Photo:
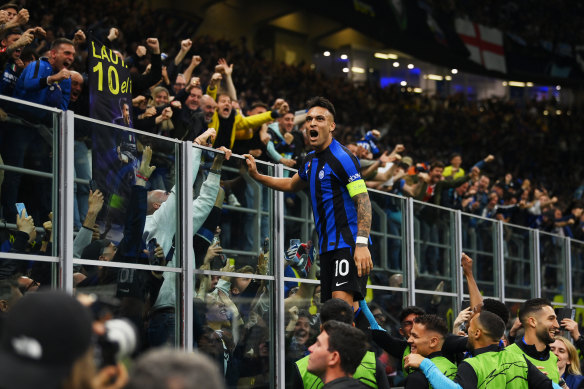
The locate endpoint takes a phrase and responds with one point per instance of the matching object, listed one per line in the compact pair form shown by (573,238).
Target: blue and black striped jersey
(333,177)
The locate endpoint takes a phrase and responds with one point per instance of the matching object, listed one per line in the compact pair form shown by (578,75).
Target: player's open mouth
(313,134)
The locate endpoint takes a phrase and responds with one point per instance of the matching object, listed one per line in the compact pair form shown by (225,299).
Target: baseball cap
(95,249)
(43,335)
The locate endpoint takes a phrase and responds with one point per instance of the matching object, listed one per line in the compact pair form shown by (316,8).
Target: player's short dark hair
(496,307)
(492,324)
(531,306)
(432,323)
(348,341)
(336,309)
(61,41)
(323,103)
(409,310)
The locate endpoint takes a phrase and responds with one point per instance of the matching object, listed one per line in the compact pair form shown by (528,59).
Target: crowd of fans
(218,94)
(532,21)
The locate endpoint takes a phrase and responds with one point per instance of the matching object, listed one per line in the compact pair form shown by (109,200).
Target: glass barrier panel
(577,275)
(28,159)
(299,229)
(241,220)
(553,267)
(236,330)
(386,306)
(479,241)
(139,297)
(116,216)
(19,277)
(444,306)
(388,232)
(433,243)
(518,262)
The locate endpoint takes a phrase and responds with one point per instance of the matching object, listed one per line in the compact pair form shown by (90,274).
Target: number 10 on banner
(113,79)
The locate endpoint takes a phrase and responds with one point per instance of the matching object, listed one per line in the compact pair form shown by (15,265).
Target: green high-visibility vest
(445,366)
(550,366)
(407,352)
(499,369)
(365,372)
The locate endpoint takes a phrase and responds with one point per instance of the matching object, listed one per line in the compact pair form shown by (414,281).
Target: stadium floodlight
(558,87)
(435,77)
(410,66)
(517,84)
(454,71)
(418,90)
(345,70)
(395,64)
(356,69)
(385,55)
(344,57)
(448,78)
(529,84)
(327,53)
(403,83)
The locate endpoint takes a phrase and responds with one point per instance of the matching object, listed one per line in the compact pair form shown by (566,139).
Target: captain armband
(356,187)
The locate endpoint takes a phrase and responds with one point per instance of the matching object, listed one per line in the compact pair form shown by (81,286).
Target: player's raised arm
(293,184)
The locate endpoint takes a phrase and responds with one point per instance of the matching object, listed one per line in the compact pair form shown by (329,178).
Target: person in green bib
(426,339)
(490,367)
(336,354)
(370,371)
(394,346)
(540,323)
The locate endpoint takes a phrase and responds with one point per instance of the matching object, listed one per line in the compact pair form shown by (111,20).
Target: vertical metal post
(568,280)
(457,256)
(64,143)
(279,313)
(184,244)
(410,257)
(500,260)
(536,271)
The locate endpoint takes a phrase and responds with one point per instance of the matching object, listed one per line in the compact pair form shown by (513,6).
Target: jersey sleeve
(346,167)
(303,171)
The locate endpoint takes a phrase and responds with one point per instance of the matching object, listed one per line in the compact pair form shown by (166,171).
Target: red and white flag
(485,44)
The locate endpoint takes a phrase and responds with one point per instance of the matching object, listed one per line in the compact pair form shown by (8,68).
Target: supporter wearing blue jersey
(340,205)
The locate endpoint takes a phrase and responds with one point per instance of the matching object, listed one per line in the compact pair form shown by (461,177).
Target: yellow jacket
(242,126)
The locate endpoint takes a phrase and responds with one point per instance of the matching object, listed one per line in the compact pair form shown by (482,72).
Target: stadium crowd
(219,94)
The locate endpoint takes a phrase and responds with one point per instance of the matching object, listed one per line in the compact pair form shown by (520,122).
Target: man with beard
(340,204)
(490,366)
(539,320)
(41,79)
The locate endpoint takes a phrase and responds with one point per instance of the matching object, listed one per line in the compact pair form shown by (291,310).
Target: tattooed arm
(362,255)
